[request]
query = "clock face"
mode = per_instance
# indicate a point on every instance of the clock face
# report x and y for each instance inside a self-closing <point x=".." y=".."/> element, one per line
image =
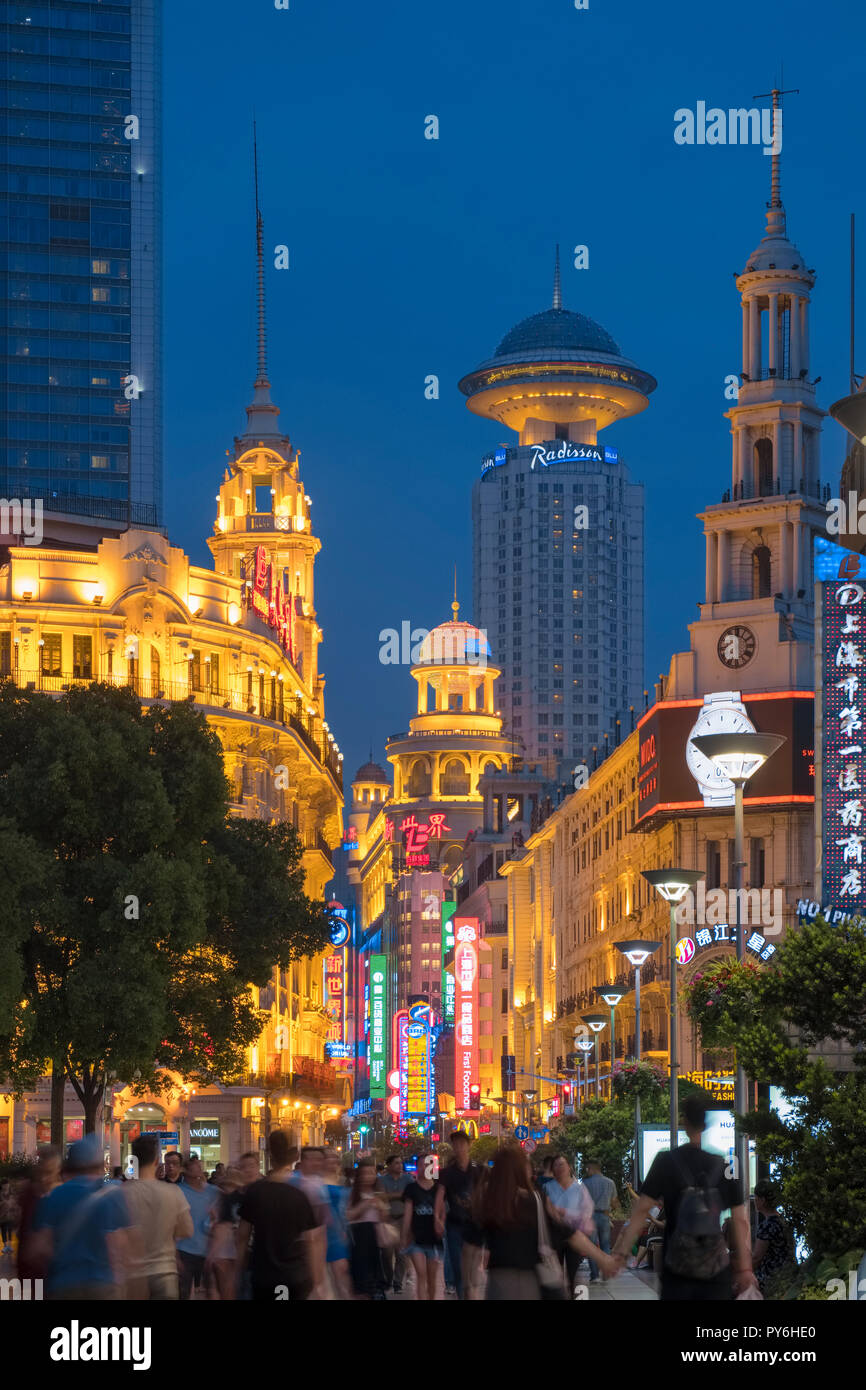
<point x="736" y="647"/>
<point x="718" y="719"/>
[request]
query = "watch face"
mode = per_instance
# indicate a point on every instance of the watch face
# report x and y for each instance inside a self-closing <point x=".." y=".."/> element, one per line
<point x="736" y="647"/>
<point x="715" y="719"/>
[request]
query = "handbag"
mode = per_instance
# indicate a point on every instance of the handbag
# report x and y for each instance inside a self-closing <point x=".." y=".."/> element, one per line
<point x="387" y="1235"/>
<point x="548" y="1270"/>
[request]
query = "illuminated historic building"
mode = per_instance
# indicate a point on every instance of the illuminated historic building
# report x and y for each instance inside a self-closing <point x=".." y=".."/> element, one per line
<point x="576" y="887"/>
<point x="558" y="535"/>
<point x="242" y="640"/>
<point x="406" y="843"/>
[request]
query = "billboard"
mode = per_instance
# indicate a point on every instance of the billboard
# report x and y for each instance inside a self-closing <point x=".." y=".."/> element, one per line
<point x="378" y="1026"/>
<point x="672" y="778"/>
<point x="448" y="981"/>
<point x="840" y="618"/>
<point x="466" y="937"/>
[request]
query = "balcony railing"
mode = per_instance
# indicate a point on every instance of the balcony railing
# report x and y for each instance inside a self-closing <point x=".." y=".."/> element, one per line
<point x="213" y="697"/>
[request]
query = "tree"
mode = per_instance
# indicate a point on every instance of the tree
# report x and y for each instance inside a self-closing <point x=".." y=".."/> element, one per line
<point x="816" y="990"/>
<point x="140" y="913"/>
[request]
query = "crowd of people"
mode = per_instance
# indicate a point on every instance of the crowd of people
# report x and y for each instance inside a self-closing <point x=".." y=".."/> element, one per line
<point x="313" y="1228"/>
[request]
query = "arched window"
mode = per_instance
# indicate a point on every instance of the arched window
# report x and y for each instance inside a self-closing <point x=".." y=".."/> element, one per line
<point x="761" y="572"/>
<point x="455" y="779"/>
<point x="419" y="779"/>
<point x="764" y="467"/>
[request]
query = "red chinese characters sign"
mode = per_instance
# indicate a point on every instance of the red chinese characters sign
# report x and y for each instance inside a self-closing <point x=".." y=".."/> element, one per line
<point x="466" y="937"/>
<point x="417" y="835"/>
<point x="266" y="597"/>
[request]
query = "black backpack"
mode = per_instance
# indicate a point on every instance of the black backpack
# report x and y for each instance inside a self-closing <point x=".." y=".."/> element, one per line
<point x="697" y="1249"/>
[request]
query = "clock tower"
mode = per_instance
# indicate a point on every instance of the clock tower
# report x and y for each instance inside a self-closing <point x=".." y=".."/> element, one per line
<point x="755" y="627"/>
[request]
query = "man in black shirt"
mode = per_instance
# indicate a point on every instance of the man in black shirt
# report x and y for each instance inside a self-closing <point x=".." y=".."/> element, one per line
<point x="670" y="1175"/>
<point x="285" y="1260"/>
<point x="459" y="1179"/>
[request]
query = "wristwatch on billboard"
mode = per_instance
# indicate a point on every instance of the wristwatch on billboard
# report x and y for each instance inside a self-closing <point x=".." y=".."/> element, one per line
<point x="723" y="713"/>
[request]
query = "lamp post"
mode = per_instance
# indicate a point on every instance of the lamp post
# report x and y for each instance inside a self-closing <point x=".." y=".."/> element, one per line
<point x="611" y="996"/>
<point x="596" y="1022"/>
<point x="585" y="1045"/>
<point x="528" y="1098"/>
<point x="738" y="757"/>
<point x="672" y="885"/>
<point x="637" y="953"/>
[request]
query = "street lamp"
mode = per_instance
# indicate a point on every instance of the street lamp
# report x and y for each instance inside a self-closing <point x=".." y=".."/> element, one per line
<point x="739" y="757"/>
<point x="672" y="885"/>
<point x="596" y="1022"/>
<point x="528" y="1098"/>
<point x="637" y="953"/>
<point x="611" y="996"/>
<point x="585" y="1045"/>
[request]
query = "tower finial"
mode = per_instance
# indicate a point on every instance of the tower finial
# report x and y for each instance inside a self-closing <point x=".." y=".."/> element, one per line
<point x="455" y="607"/>
<point x="262" y="372"/>
<point x="776" y="211"/>
<point x="557" y="285"/>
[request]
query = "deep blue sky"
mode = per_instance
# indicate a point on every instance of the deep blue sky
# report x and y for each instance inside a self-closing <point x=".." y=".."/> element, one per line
<point x="411" y="257"/>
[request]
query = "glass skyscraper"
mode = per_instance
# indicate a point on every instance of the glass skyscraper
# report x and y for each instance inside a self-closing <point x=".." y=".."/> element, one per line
<point x="81" y="251"/>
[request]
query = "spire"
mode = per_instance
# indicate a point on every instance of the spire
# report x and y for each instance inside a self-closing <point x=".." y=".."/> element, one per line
<point x="776" y="225"/>
<point x="557" y="286"/>
<point x="262" y="413"/>
<point x="455" y="607"/>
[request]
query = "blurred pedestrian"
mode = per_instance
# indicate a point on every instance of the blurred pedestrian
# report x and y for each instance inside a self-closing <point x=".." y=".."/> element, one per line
<point x="192" y="1250"/>
<point x="217" y="1174"/>
<point x="460" y="1178"/>
<point x="80" y="1229"/>
<point x="423" y="1229"/>
<point x="8" y="1214"/>
<point x="337" y="1249"/>
<point x="172" y="1165"/>
<point x="160" y="1216"/>
<point x="43" y="1180"/>
<point x="223" y="1247"/>
<point x="366" y="1212"/>
<point x="571" y="1205"/>
<point x="393" y="1183"/>
<point x="275" y="1233"/>
<point x="604" y="1195"/>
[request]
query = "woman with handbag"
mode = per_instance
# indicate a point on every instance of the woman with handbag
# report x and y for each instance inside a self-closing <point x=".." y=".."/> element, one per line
<point x="424" y="1228"/>
<point x="366" y="1215"/>
<point x="521" y="1263"/>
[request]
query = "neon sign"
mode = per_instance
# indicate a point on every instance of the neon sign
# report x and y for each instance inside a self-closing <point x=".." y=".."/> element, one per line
<point x="378" y="1026"/>
<point x="264" y="593"/>
<point x="466" y="936"/>
<point x="335" y="996"/>
<point x="448" y="981"/>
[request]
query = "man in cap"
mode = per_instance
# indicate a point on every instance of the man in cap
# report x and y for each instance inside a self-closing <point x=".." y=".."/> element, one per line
<point x="81" y="1228"/>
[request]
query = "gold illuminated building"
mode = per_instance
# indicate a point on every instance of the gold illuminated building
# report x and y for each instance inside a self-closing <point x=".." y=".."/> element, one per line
<point x="242" y="642"/>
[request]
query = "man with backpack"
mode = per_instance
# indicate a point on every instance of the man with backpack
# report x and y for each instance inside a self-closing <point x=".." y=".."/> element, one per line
<point x="695" y="1189"/>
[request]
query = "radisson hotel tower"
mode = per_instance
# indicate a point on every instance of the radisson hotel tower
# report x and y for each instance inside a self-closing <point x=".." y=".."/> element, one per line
<point x="558" y="537"/>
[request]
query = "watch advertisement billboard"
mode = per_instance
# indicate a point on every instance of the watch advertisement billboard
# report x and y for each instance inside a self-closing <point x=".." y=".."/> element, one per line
<point x="672" y="776"/>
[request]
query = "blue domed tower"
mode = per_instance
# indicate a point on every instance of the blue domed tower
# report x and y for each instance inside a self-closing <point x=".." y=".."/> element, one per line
<point x="559" y="375"/>
<point x="558" y="537"/>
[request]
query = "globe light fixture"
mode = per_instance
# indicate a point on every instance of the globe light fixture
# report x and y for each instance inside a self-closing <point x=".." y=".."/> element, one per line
<point x="739" y="756"/>
<point x="673" y="885"/>
<point x="637" y="952"/>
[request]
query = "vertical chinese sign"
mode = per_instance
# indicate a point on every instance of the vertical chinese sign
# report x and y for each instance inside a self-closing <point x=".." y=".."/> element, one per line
<point x="378" y="1026"/>
<point x="843" y="743"/>
<point x="448" y="982"/>
<point x="466" y="937"/>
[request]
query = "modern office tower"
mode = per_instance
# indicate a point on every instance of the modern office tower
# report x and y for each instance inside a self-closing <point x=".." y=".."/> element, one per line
<point x="81" y="392"/>
<point x="558" y="537"/>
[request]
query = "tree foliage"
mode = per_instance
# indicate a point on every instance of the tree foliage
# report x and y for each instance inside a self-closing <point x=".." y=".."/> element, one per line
<point x="135" y="912"/>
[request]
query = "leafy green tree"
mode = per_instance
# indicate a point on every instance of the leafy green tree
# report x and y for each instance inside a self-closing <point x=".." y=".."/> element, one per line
<point x="139" y="913"/>
<point x="815" y="991"/>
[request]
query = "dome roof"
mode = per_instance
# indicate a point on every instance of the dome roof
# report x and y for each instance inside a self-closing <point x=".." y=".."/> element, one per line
<point x="775" y="251"/>
<point x="556" y="331"/>
<point x="371" y="772"/>
<point x="454" y="644"/>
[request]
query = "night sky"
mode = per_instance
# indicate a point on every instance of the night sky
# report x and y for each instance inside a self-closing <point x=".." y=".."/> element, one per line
<point x="411" y="257"/>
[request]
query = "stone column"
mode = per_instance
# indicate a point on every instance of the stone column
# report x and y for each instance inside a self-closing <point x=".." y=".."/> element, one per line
<point x="773" y="333"/>
<point x="712" y="542"/>
<point x="755" y="351"/>
<point x="804" y="336"/>
<point x="777" y="451"/>
<point x="785" y="558"/>
<point x="722" y="553"/>
<point x="746" y="331"/>
<point x="795" y="336"/>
